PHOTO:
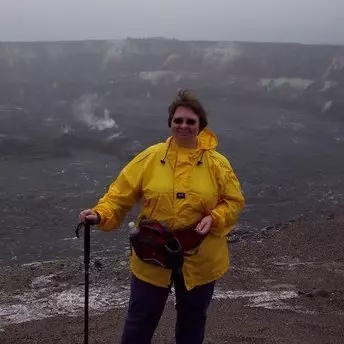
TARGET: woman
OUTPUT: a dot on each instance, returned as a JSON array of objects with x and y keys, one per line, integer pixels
[{"x": 182, "y": 182}]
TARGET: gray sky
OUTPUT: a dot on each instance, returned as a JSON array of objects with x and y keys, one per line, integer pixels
[{"x": 306, "y": 21}]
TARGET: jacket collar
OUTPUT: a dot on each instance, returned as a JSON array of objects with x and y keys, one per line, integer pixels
[{"x": 206, "y": 140}]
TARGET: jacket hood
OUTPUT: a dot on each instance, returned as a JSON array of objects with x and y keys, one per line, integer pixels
[{"x": 207, "y": 139}]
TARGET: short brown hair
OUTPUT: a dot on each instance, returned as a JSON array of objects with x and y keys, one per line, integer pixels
[{"x": 187, "y": 99}]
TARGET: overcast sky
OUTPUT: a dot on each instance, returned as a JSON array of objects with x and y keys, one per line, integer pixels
[{"x": 306, "y": 21}]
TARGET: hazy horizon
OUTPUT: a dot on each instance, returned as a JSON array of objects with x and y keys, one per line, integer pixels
[{"x": 294, "y": 21}]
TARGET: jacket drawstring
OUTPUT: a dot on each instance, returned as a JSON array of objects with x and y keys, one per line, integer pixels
[
  {"x": 200, "y": 162},
  {"x": 163, "y": 160}
]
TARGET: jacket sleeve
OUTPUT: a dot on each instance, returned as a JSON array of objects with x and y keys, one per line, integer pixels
[
  {"x": 231, "y": 199},
  {"x": 122, "y": 194}
]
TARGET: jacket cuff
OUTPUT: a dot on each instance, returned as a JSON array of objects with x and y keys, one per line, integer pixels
[{"x": 100, "y": 218}]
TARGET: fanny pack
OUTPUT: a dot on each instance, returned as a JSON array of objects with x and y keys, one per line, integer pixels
[{"x": 155, "y": 244}]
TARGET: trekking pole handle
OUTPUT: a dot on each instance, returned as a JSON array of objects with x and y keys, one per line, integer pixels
[{"x": 82, "y": 224}]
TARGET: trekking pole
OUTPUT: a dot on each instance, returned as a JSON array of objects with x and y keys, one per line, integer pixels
[{"x": 87, "y": 230}]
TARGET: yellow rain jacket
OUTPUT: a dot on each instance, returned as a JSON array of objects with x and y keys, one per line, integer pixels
[{"x": 209, "y": 188}]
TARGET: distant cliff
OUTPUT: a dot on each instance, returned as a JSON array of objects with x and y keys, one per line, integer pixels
[{"x": 293, "y": 75}]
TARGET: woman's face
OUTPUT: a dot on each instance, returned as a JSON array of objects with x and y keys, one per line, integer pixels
[{"x": 185, "y": 126}]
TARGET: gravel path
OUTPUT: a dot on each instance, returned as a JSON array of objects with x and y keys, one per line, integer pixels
[{"x": 285, "y": 286}]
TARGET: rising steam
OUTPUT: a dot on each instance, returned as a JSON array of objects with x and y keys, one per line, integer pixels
[{"x": 85, "y": 110}]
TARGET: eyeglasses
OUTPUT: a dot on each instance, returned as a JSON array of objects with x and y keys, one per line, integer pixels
[{"x": 188, "y": 121}]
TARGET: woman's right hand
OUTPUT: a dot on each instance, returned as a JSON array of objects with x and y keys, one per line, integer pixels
[{"x": 90, "y": 216}]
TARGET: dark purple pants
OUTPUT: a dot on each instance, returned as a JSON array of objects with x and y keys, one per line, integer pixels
[{"x": 147, "y": 303}]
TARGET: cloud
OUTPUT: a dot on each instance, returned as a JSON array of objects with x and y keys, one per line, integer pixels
[{"x": 306, "y": 21}]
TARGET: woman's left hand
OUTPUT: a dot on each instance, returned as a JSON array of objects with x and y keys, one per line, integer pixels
[{"x": 204, "y": 225}]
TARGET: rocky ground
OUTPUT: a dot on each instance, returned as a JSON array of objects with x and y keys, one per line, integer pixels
[{"x": 286, "y": 285}]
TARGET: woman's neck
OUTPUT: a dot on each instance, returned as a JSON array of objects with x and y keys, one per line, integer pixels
[{"x": 187, "y": 143}]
